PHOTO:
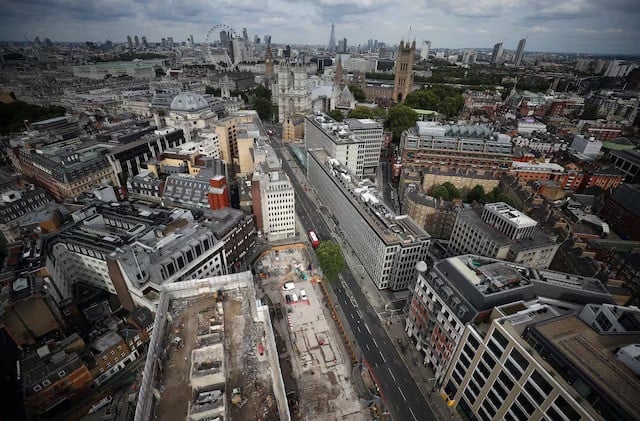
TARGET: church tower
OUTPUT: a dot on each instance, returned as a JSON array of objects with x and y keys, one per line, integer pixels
[
  {"x": 404, "y": 71},
  {"x": 268, "y": 63},
  {"x": 339, "y": 78}
]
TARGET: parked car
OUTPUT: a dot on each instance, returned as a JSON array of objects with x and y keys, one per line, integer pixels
[
  {"x": 288, "y": 286},
  {"x": 288, "y": 298},
  {"x": 303, "y": 294}
]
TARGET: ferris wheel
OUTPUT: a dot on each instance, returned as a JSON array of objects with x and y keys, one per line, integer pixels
[{"x": 214, "y": 35}]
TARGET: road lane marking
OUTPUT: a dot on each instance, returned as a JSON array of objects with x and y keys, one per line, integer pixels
[
  {"x": 382, "y": 356},
  {"x": 351, "y": 316},
  {"x": 358, "y": 328},
  {"x": 414, "y": 415},
  {"x": 360, "y": 314},
  {"x": 394, "y": 377},
  {"x": 374, "y": 341},
  {"x": 367, "y": 345},
  {"x": 403, "y": 396},
  {"x": 367, "y": 327}
]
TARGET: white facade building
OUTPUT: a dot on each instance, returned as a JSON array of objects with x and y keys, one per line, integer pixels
[
  {"x": 425, "y": 50},
  {"x": 587, "y": 147},
  {"x": 388, "y": 245},
  {"x": 355, "y": 143}
]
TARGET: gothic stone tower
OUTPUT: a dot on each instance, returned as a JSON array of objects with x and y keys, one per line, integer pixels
[
  {"x": 404, "y": 71},
  {"x": 293, "y": 91},
  {"x": 268, "y": 63}
]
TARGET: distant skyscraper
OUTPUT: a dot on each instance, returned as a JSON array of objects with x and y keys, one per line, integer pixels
[
  {"x": 136, "y": 41},
  {"x": 256, "y": 39},
  {"x": 332, "y": 39},
  {"x": 224, "y": 38},
  {"x": 496, "y": 56},
  {"x": 144, "y": 41},
  {"x": 48, "y": 42},
  {"x": 245, "y": 36},
  {"x": 267, "y": 39},
  {"x": 129, "y": 41},
  {"x": 342, "y": 46},
  {"x": 287, "y": 51},
  {"x": 467, "y": 56},
  {"x": 404, "y": 71},
  {"x": 426, "y": 49},
  {"x": 191, "y": 43},
  {"x": 517, "y": 59}
]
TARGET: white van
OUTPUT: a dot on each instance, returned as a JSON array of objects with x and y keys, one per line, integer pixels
[
  {"x": 294, "y": 298},
  {"x": 288, "y": 286},
  {"x": 303, "y": 294}
]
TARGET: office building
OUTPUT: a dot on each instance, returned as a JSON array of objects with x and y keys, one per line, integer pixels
[
  {"x": 17, "y": 203},
  {"x": 628, "y": 163},
  {"x": 463, "y": 290},
  {"x": 496, "y": 55},
  {"x": 426, "y": 49},
  {"x": 436, "y": 216},
  {"x": 137, "y": 41},
  {"x": 129, "y": 41},
  {"x": 237, "y": 231},
  {"x": 355, "y": 143},
  {"x": 586, "y": 148},
  {"x": 388, "y": 245},
  {"x": 517, "y": 58},
  {"x": 332, "y": 39},
  {"x": 274, "y": 205},
  {"x": 131, "y": 251},
  {"x": 342, "y": 46},
  {"x": 403, "y": 82},
  {"x": 205, "y": 190},
  {"x": 621, "y": 209},
  {"x": 502, "y": 232},
  {"x": 549, "y": 359},
  {"x": 455, "y": 146}
]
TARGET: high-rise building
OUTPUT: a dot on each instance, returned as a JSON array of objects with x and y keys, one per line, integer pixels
[
  {"x": 267, "y": 39},
  {"x": 137, "y": 41},
  {"x": 502, "y": 232},
  {"x": 144, "y": 42},
  {"x": 426, "y": 49},
  {"x": 191, "y": 43},
  {"x": 517, "y": 59},
  {"x": 342, "y": 46},
  {"x": 245, "y": 35},
  {"x": 129, "y": 41},
  {"x": 332, "y": 38},
  {"x": 496, "y": 55},
  {"x": 388, "y": 245},
  {"x": 403, "y": 82}
]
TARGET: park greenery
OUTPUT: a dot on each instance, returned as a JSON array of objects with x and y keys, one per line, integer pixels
[
  {"x": 444, "y": 99},
  {"x": 330, "y": 259},
  {"x": 14, "y": 114},
  {"x": 367, "y": 112},
  {"x": 260, "y": 99},
  {"x": 399, "y": 119}
]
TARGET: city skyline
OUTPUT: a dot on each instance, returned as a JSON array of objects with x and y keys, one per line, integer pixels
[{"x": 578, "y": 26}]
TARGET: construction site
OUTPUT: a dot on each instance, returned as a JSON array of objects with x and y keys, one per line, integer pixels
[
  {"x": 212, "y": 355},
  {"x": 317, "y": 367}
]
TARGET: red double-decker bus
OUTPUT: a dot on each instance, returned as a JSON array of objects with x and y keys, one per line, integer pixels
[{"x": 313, "y": 237}]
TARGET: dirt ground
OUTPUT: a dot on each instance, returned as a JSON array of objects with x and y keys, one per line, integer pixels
[{"x": 175, "y": 392}]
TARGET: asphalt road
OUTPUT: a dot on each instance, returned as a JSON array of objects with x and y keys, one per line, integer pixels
[{"x": 397, "y": 388}]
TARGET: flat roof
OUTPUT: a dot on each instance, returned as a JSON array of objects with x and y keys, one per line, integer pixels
[{"x": 593, "y": 355}]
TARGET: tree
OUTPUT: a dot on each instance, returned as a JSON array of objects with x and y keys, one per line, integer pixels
[
  {"x": 331, "y": 259},
  {"x": 476, "y": 194},
  {"x": 422, "y": 99},
  {"x": 454, "y": 192},
  {"x": 336, "y": 115},
  {"x": 439, "y": 191},
  {"x": 358, "y": 93},
  {"x": 262, "y": 92},
  {"x": 212, "y": 91},
  {"x": 13, "y": 114},
  {"x": 361, "y": 112},
  {"x": 263, "y": 107},
  {"x": 400, "y": 118}
]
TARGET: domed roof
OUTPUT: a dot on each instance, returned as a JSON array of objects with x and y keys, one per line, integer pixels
[{"x": 188, "y": 101}]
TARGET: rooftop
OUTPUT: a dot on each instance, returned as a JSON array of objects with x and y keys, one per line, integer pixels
[
  {"x": 480, "y": 284},
  {"x": 389, "y": 226},
  {"x": 593, "y": 355},
  {"x": 342, "y": 132}
]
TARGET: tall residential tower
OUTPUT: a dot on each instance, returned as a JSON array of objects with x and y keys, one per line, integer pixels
[{"x": 517, "y": 59}]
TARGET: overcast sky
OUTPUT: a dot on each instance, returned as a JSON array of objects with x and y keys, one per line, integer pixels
[{"x": 583, "y": 26}]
